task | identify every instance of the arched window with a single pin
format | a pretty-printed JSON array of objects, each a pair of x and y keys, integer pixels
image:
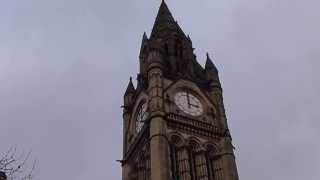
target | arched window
[
  {"x": 180, "y": 162},
  {"x": 198, "y": 162},
  {"x": 141, "y": 167},
  {"x": 214, "y": 162}
]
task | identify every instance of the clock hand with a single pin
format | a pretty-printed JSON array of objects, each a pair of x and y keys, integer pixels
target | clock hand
[
  {"x": 188, "y": 99},
  {"x": 194, "y": 105}
]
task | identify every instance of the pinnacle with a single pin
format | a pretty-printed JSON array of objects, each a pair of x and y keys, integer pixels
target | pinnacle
[
  {"x": 208, "y": 56},
  {"x": 145, "y": 36},
  {"x": 209, "y": 64},
  {"x": 144, "y": 40},
  {"x": 130, "y": 88},
  {"x": 165, "y": 22}
]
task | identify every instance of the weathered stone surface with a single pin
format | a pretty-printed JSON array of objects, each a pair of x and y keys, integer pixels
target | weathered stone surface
[{"x": 175, "y": 143}]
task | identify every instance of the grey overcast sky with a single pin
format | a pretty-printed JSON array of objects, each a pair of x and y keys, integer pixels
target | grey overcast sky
[{"x": 64, "y": 65}]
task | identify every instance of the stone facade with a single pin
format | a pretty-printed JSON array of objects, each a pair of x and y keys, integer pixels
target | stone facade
[{"x": 175, "y": 126}]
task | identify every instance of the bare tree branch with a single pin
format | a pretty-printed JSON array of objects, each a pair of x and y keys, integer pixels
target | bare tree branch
[{"x": 17, "y": 166}]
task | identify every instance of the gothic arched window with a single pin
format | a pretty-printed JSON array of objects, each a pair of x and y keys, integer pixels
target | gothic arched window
[
  {"x": 198, "y": 162},
  {"x": 214, "y": 162},
  {"x": 180, "y": 162}
]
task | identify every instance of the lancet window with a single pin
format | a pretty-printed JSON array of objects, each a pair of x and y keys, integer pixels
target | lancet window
[
  {"x": 141, "y": 169},
  {"x": 192, "y": 162},
  {"x": 198, "y": 161},
  {"x": 215, "y": 163}
]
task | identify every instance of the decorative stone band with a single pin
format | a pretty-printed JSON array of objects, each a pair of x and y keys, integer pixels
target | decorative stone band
[
  {"x": 195, "y": 126},
  {"x": 159, "y": 135}
]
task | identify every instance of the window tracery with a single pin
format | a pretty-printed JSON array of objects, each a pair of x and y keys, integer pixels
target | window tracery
[
  {"x": 215, "y": 162},
  {"x": 141, "y": 167},
  {"x": 190, "y": 161}
]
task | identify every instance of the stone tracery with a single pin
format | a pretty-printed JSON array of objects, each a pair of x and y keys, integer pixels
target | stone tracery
[{"x": 193, "y": 160}]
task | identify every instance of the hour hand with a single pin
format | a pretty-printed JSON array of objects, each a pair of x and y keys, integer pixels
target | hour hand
[{"x": 194, "y": 105}]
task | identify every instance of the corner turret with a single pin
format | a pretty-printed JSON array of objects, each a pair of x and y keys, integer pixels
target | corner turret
[
  {"x": 143, "y": 43},
  {"x": 129, "y": 94},
  {"x": 210, "y": 67},
  {"x": 212, "y": 73}
]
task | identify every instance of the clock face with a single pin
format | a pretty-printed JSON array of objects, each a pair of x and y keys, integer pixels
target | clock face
[
  {"x": 188, "y": 103},
  {"x": 141, "y": 116}
]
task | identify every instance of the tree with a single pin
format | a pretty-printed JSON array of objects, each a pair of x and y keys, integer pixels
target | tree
[{"x": 17, "y": 166}]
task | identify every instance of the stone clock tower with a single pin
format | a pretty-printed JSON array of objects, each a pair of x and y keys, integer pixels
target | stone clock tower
[{"x": 174, "y": 122}]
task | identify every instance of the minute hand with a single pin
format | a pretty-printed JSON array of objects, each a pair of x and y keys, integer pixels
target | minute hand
[{"x": 194, "y": 105}]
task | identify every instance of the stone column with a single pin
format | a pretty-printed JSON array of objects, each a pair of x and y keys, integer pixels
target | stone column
[
  {"x": 125, "y": 171},
  {"x": 216, "y": 96},
  {"x": 159, "y": 146},
  {"x": 125, "y": 165},
  {"x": 229, "y": 167}
]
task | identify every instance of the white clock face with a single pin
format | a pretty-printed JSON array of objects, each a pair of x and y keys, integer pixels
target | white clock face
[
  {"x": 188, "y": 103},
  {"x": 141, "y": 116}
]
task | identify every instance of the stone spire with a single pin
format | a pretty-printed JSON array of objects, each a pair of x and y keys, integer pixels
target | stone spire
[
  {"x": 210, "y": 67},
  {"x": 165, "y": 23},
  {"x": 130, "y": 88},
  {"x": 144, "y": 40}
]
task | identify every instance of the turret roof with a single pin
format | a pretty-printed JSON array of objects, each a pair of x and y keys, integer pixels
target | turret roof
[
  {"x": 130, "y": 88},
  {"x": 165, "y": 23},
  {"x": 209, "y": 64}
]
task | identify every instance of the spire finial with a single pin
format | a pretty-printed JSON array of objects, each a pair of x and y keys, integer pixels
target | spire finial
[
  {"x": 165, "y": 22},
  {"x": 209, "y": 64},
  {"x": 130, "y": 87},
  {"x": 144, "y": 36},
  {"x": 144, "y": 40}
]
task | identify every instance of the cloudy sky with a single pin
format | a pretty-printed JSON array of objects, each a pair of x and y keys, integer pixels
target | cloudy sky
[{"x": 64, "y": 65}]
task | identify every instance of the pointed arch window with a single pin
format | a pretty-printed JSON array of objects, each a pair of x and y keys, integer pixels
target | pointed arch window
[
  {"x": 214, "y": 162},
  {"x": 199, "y": 162},
  {"x": 180, "y": 161}
]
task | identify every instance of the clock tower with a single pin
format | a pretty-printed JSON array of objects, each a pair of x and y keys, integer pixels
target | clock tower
[{"x": 174, "y": 122}]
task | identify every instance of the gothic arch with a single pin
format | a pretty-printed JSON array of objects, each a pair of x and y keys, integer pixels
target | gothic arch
[
  {"x": 194, "y": 143},
  {"x": 141, "y": 98},
  {"x": 214, "y": 160},
  {"x": 211, "y": 147},
  {"x": 176, "y": 139},
  {"x": 182, "y": 84}
]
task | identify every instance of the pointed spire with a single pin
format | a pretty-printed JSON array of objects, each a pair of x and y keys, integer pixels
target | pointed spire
[
  {"x": 130, "y": 88},
  {"x": 209, "y": 65},
  {"x": 144, "y": 40},
  {"x": 165, "y": 22},
  {"x": 189, "y": 39},
  {"x": 145, "y": 37}
]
